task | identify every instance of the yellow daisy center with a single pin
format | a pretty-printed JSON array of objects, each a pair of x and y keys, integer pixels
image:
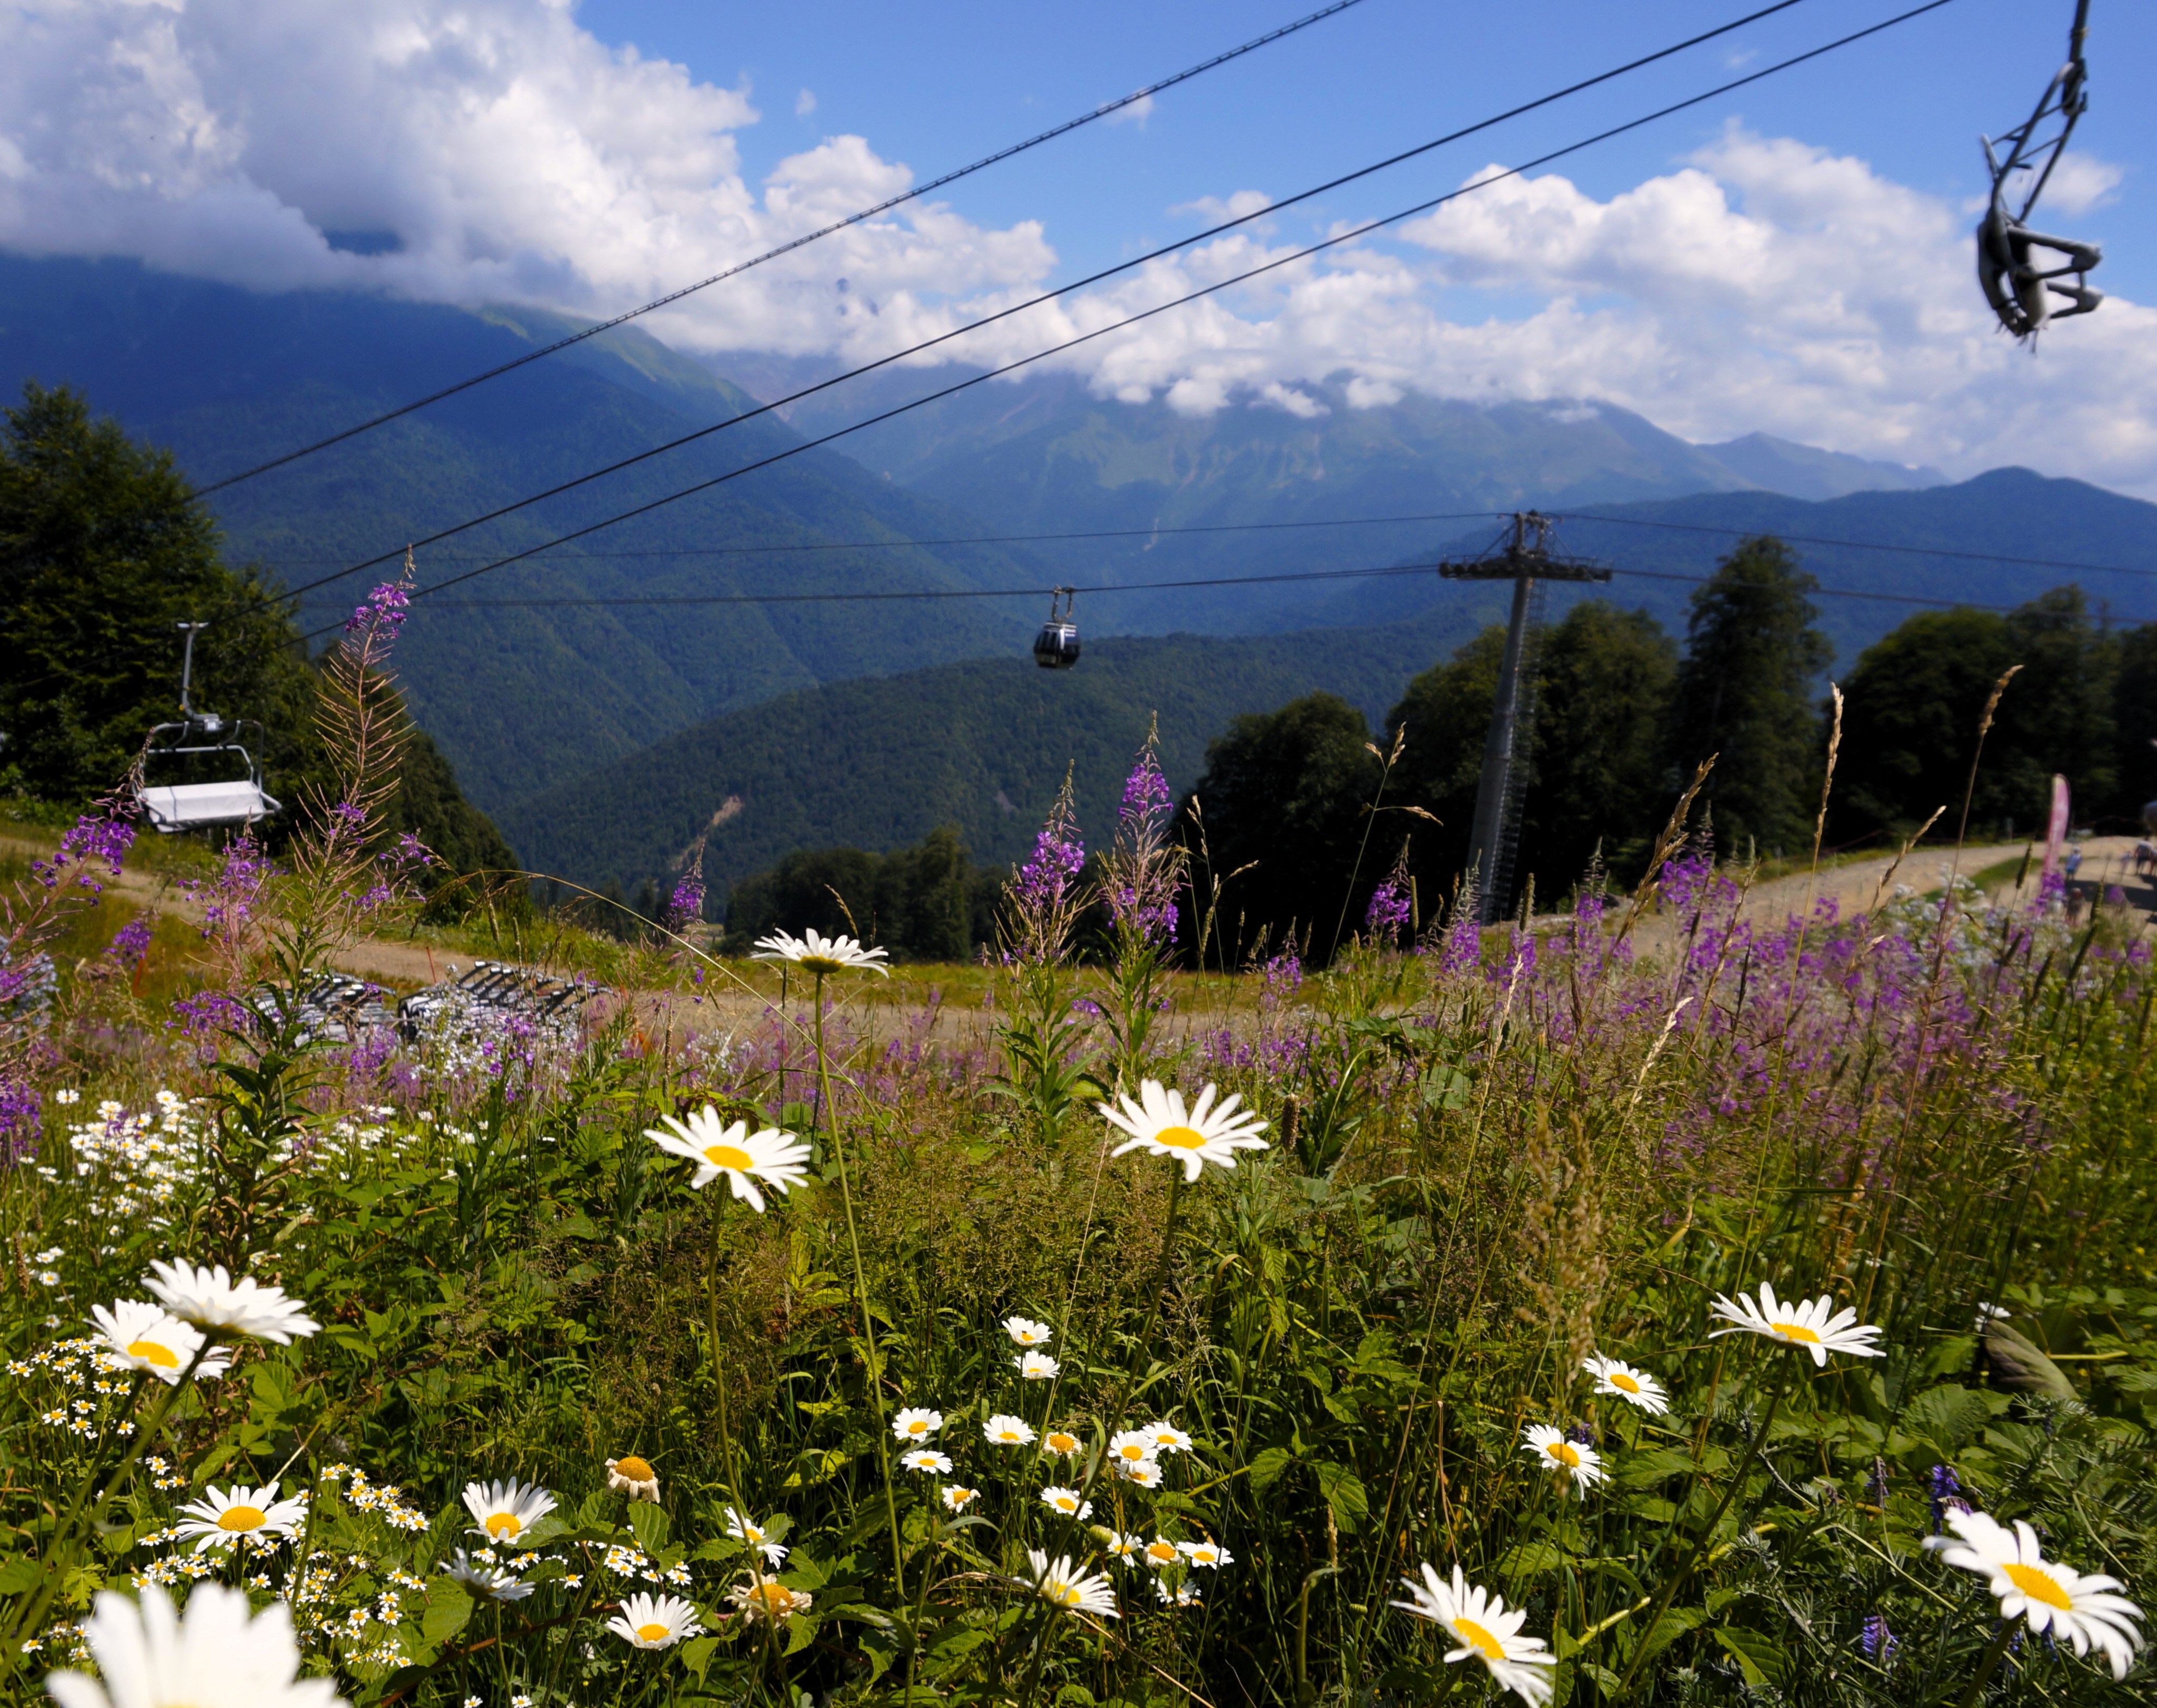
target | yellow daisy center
[
  {"x": 1181, "y": 1137},
  {"x": 504, "y": 1524},
  {"x": 1624, "y": 1383},
  {"x": 1133, "y": 1450},
  {"x": 727, "y": 1156},
  {"x": 1164, "y": 1441},
  {"x": 653, "y": 1634},
  {"x": 1061, "y": 1442},
  {"x": 1795, "y": 1331},
  {"x": 822, "y": 964},
  {"x": 1202, "y": 1557},
  {"x": 1063, "y": 1595},
  {"x": 918, "y": 1425},
  {"x": 2039, "y": 1585},
  {"x": 152, "y": 1353},
  {"x": 1565, "y": 1453},
  {"x": 773, "y": 1598},
  {"x": 633, "y": 1468},
  {"x": 960, "y": 1497},
  {"x": 1481, "y": 1640},
  {"x": 1160, "y": 1553},
  {"x": 1007, "y": 1435},
  {"x": 242, "y": 1517}
]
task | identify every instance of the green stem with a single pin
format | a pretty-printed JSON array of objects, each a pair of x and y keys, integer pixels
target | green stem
[
  {"x": 1986, "y": 1667},
  {"x": 1684, "y": 1569},
  {"x": 726, "y": 1468},
  {"x": 862, "y": 1292}
]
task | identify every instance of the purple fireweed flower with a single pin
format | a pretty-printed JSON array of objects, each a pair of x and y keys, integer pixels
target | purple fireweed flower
[
  {"x": 1145, "y": 791},
  {"x": 228, "y": 899},
  {"x": 21, "y": 1122},
  {"x": 1279, "y": 978},
  {"x": 383, "y": 613},
  {"x": 1878, "y": 1642},
  {"x": 1041, "y": 901},
  {"x": 130, "y": 943},
  {"x": 686, "y": 906},
  {"x": 1388, "y": 912},
  {"x": 107, "y": 835}
]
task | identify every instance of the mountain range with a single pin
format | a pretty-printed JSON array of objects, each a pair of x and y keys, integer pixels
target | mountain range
[{"x": 567, "y": 711}]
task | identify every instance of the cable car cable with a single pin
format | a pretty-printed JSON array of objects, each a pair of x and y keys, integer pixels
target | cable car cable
[
  {"x": 1137, "y": 261},
  {"x": 1347, "y": 236},
  {"x": 1106, "y": 110}
]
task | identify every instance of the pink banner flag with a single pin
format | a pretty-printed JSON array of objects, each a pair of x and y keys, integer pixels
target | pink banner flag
[{"x": 2055, "y": 830}]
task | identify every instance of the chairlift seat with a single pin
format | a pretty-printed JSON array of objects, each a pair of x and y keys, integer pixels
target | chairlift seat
[{"x": 196, "y": 806}]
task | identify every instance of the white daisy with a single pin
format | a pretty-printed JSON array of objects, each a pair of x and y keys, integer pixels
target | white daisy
[
  {"x": 924, "y": 1459},
  {"x": 1066, "y": 1502},
  {"x": 917, "y": 1423},
  {"x": 1166, "y": 1438},
  {"x": 655, "y": 1621},
  {"x": 1557, "y": 1451},
  {"x": 1160, "y": 1553},
  {"x": 223, "y": 1516},
  {"x": 1477, "y": 1621},
  {"x": 1145, "y": 1471},
  {"x": 1036, "y": 1367},
  {"x": 1642, "y": 1389},
  {"x": 506, "y": 1510},
  {"x": 1184, "y": 1595},
  {"x": 1060, "y": 1442},
  {"x": 217, "y": 1656},
  {"x": 1027, "y": 1332},
  {"x": 210, "y": 1299},
  {"x": 1207, "y": 1554},
  {"x": 767, "y": 1599},
  {"x": 488, "y": 1583},
  {"x": 2048, "y": 1595},
  {"x": 633, "y": 1477},
  {"x": 1818, "y": 1327},
  {"x": 775, "y": 1157},
  {"x": 1131, "y": 1446},
  {"x": 1058, "y": 1585},
  {"x": 819, "y": 953},
  {"x": 1004, "y": 1430},
  {"x": 144, "y": 1336},
  {"x": 1160, "y": 1125},
  {"x": 957, "y": 1499},
  {"x": 1122, "y": 1546},
  {"x": 743, "y": 1529}
]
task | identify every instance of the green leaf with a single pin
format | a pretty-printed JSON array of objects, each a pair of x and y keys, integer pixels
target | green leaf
[
  {"x": 1675, "y": 1623},
  {"x": 1948, "y": 1416},
  {"x": 696, "y": 1655},
  {"x": 1761, "y": 1659},
  {"x": 1531, "y": 1559},
  {"x": 448, "y": 1608},
  {"x": 648, "y": 1521},
  {"x": 17, "y": 1574},
  {"x": 1269, "y": 1466},
  {"x": 1344, "y": 1493}
]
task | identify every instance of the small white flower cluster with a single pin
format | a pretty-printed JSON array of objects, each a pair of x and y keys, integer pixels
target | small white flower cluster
[
  {"x": 140, "y": 1160},
  {"x": 385, "y": 1500}
]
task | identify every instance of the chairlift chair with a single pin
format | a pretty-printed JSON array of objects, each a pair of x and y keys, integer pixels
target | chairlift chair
[
  {"x": 1056, "y": 647},
  {"x": 203, "y": 740},
  {"x": 2023, "y": 272}
]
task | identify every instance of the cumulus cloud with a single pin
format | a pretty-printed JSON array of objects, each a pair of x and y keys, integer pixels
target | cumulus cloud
[
  {"x": 804, "y": 104},
  {"x": 471, "y": 151},
  {"x": 463, "y": 151}
]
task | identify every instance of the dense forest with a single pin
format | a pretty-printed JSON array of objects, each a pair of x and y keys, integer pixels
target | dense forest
[
  {"x": 1623, "y": 715},
  {"x": 103, "y": 554}
]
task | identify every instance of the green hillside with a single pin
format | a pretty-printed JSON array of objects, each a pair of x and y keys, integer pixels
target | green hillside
[
  {"x": 518, "y": 697},
  {"x": 984, "y": 745}
]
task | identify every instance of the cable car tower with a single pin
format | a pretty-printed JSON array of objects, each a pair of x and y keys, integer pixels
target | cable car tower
[
  {"x": 1522, "y": 556},
  {"x": 2011, "y": 258},
  {"x": 203, "y": 741}
]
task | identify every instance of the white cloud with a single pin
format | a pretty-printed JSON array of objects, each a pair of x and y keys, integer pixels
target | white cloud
[
  {"x": 471, "y": 150},
  {"x": 1214, "y": 210},
  {"x": 2081, "y": 182},
  {"x": 804, "y": 104},
  {"x": 1137, "y": 113}
]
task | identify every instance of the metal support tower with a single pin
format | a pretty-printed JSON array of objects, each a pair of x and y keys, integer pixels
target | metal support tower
[{"x": 1522, "y": 556}]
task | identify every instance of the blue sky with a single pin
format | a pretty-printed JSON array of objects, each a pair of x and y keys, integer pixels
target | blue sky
[
  {"x": 937, "y": 86},
  {"x": 1794, "y": 258}
]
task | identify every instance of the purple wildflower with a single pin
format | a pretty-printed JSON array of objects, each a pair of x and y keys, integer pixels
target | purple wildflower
[
  {"x": 229, "y": 898},
  {"x": 1388, "y": 912},
  {"x": 686, "y": 906},
  {"x": 1878, "y": 1642},
  {"x": 1142, "y": 881},
  {"x": 130, "y": 943},
  {"x": 107, "y": 835},
  {"x": 383, "y": 613},
  {"x": 21, "y": 1122},
  {"x": 1945, "y": 1493},
  {"x": 1145, "y": 791}
]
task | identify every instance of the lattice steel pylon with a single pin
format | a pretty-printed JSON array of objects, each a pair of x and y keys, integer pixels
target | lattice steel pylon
[{"x": 1522, "y": 556}]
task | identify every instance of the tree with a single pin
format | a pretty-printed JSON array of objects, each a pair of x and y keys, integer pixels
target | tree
[
  {"x": 102, "y": 553},
  {"x": 928, "y": 902},
  {"x": 2134, "y": 724},
  {"x": 1284, "y": 793},
  {"x": 1593, "y": 755},
  {"x": 1914, "y": 699},
  {"x": 1744, "y": 693}
]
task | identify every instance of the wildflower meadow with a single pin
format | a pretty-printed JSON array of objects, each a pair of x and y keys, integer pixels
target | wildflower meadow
[{"x": 1644, "y": 1304}]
